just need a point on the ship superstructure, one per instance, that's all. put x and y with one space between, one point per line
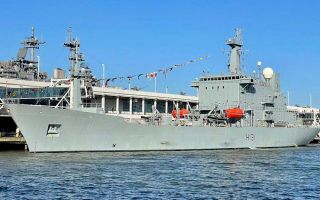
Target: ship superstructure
21 67
258 95
235 111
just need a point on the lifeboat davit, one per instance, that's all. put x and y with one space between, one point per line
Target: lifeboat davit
234 113
182 112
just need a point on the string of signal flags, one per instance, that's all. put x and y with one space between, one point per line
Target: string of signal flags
154 74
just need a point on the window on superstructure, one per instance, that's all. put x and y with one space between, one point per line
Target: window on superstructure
125 105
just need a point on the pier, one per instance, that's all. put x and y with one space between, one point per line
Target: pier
12 140
13 143
10 136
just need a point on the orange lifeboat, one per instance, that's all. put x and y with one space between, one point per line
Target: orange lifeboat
182 112
234 113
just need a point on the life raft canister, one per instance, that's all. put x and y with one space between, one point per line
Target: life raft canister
234 113
182 112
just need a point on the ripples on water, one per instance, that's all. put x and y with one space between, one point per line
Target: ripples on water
287 173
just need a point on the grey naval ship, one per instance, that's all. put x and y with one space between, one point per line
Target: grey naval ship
236 110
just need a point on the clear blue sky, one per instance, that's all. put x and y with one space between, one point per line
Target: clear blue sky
142 36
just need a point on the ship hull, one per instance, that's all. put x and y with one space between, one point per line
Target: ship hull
83 131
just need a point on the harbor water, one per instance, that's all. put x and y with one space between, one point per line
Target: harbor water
284 173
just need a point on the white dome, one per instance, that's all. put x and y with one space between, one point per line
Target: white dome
259 63
267 73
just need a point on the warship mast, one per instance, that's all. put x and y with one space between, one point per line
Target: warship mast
75 56
32 43
75 59
236 44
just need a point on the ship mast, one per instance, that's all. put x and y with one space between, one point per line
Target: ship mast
75 59
32 43
236 44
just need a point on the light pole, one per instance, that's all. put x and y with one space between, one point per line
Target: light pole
103 98
103 77
38 67
259 64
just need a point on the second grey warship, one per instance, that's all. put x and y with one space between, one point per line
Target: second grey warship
235 111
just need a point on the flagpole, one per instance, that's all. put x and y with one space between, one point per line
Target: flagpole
155 84
310 96
165 76
129 84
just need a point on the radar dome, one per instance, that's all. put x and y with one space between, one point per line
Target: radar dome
267 73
